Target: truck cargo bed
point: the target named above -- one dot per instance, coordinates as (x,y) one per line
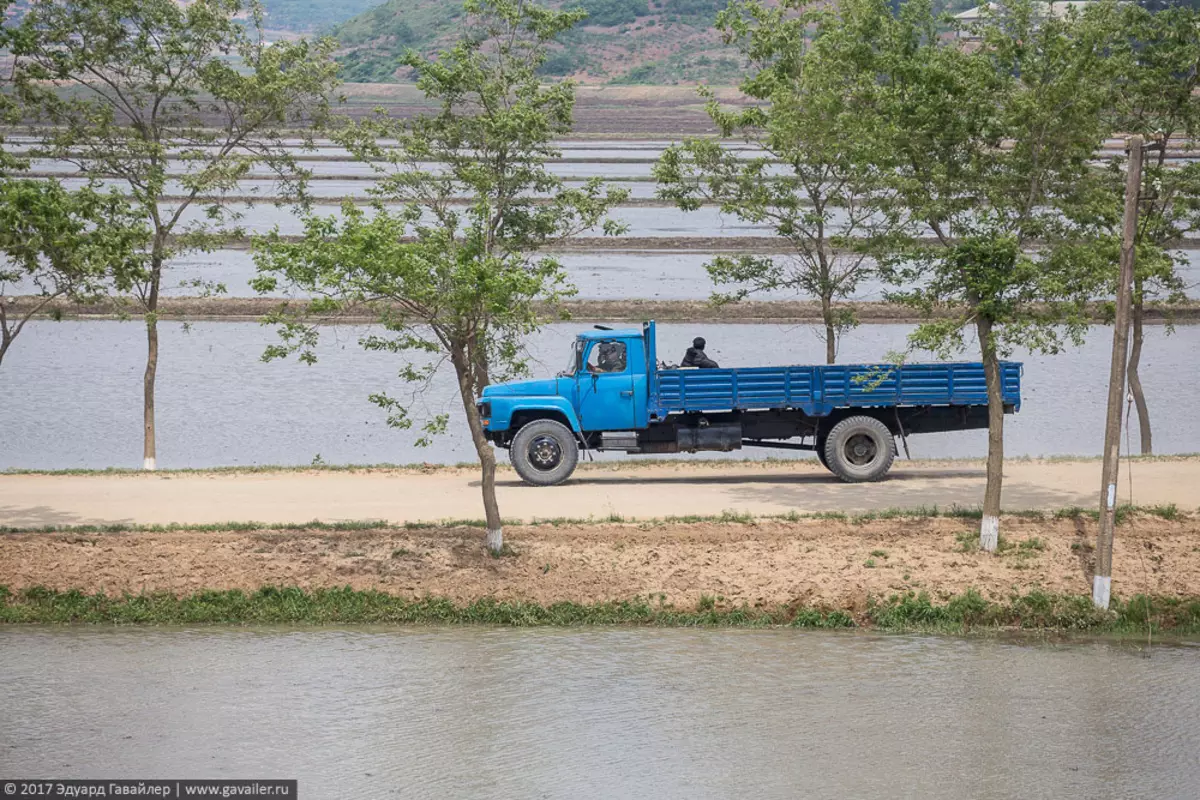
(819,389)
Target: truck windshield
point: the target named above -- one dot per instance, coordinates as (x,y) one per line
(576,353)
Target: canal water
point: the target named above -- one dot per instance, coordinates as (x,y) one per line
(482,713)
(70,394)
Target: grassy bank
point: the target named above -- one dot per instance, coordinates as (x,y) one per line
(898,569)
(964,613)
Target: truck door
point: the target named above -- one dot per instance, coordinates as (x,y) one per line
(605,382)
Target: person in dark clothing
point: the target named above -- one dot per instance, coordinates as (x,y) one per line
(610,357)
(695,356)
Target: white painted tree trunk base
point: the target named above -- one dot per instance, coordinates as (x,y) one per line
(1101,591)
(495,539)
(149,464)
(989,533)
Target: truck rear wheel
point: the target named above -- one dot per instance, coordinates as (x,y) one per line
(821,454)
(860,449)
(544,452)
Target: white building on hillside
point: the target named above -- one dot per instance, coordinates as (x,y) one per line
(1055,9)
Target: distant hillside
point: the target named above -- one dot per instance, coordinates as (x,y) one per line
(309,16)
(301,16)
(621,42)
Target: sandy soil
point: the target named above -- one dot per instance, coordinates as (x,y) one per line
(832,564)
(596,491)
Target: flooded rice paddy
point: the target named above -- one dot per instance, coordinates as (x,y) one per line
(70,395)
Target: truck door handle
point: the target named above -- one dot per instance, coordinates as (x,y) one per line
(627,393)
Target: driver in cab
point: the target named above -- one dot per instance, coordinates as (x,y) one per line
(610,357)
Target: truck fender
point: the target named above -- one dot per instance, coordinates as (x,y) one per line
(559,405)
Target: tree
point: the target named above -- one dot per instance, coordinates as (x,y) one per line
(65,245)
(992,146)
(1159,70)
(152,91)
(829,202)
(449,282)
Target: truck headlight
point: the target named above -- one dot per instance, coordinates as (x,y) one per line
(485,409)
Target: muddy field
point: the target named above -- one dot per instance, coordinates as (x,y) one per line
(815,562)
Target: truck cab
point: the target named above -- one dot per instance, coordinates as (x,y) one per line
(604,388)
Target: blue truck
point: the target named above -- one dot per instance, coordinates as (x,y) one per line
(616,395)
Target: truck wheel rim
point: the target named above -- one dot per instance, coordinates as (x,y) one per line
(545,453)
(860,449)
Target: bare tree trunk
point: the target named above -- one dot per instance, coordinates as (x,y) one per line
(149,446)
(5,336)
(1135,380)
(9,332)
(830,330)
(989,526)
(487,456)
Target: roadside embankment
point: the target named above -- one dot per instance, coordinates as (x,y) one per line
(738,570)
(776,311)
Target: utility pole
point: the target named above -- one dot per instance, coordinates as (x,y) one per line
(1102,582)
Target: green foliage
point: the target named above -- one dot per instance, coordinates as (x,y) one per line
(152,83)
(144,91)
(420,24)
(1035,611)
(828,202)
(1038,86)
(564,61)
(643,73)
(72,245)
(610,12)
(365,66)
(1154,60)
(685,53)
(688,8)
(467,280)
(988,157)
(916,610)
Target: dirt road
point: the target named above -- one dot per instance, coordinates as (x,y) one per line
(690,488)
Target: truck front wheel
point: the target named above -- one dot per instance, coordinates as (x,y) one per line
(860,449)
(544,452)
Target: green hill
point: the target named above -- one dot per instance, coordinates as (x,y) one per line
(622,41)
(310,16)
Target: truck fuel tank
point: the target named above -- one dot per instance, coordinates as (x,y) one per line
(722,437)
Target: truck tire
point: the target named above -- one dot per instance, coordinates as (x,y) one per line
(544,452)
(860,449)
(821,454)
